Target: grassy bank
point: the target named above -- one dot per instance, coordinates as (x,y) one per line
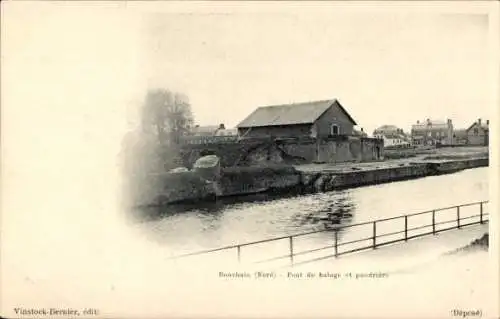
(481,243)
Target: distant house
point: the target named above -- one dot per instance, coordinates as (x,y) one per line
(211,134)
(317,119)
(396,141)
(387,129)
(227,132)
(432,133)
(209,130)
(393,136)
(478,133)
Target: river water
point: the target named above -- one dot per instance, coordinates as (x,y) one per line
(185,228)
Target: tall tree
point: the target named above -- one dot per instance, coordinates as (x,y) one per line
(167,114)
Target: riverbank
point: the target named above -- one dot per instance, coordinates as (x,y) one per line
(172,188)
(323,178)
(481,244)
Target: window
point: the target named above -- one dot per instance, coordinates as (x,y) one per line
(476,131)
(334,130)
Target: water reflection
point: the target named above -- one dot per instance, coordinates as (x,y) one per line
(152,213)
(209,208)
(336,212)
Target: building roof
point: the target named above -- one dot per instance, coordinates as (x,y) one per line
(484,126)
(387,128)
(227,132)
(430,125)
(359,133)
(290,114)
(205,130)
(395,136)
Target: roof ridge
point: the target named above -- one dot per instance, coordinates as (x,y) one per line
(299,103)
(291,113)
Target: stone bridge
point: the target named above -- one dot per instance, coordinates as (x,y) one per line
(248,152)
(231,153)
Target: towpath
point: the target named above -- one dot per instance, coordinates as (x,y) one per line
(437,155)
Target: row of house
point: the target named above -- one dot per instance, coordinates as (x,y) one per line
(432,133)
(327,118)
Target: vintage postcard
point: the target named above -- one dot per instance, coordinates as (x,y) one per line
(249,159)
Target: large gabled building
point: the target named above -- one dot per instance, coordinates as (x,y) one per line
(318,119)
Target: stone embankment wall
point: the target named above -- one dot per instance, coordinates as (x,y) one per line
(251,180)
(187,186)
(257,152)
(166,188)
(451,166)
(326,181)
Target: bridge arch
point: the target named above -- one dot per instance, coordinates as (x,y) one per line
(206,152)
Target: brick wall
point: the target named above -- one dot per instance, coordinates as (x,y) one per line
(372,149)
(333,115)
(276,131)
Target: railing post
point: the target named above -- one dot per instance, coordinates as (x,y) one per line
(481,212)
(406,227)
(458,216)
(291,250)
(374,235)
(434,222)
(239,253)
(336,243)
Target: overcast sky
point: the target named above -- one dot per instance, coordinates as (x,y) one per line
(78,71)
(388,67)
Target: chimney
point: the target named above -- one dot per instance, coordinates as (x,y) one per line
(222,127)
(418,122)
(428,121)
(488,122)
(479,122)
(362,130)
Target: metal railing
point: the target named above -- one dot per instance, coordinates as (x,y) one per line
(372,239)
